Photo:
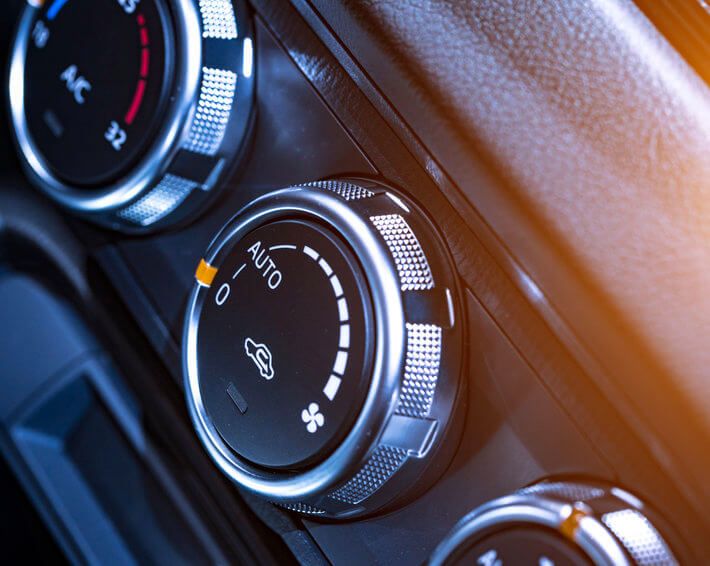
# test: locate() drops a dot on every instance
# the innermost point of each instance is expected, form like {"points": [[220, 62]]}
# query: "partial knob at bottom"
{"points": [[558, 524]]}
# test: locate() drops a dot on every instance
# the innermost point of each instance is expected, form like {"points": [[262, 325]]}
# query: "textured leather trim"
{"points": [[596, 130]]}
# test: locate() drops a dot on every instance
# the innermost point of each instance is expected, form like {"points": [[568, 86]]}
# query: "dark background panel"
{"points": [[23, 535]]}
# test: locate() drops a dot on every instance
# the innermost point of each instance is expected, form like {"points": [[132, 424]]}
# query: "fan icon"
{"points": [[313, 418]]}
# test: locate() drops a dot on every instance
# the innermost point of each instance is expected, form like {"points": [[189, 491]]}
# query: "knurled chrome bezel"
{"points": [[377, 443], [577, 511], [146, 199]]}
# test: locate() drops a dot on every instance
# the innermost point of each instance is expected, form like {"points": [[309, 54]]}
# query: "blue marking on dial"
{"points": [[55, 8]]}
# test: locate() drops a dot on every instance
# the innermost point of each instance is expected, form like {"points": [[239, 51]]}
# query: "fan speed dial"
{"points": [[323, 346]]}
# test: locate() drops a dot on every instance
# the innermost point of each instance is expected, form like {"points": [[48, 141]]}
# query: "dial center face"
{"points": [[283, 346], [95, 77]]}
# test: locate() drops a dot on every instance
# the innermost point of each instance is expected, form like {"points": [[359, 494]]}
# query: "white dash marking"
{"points": [[310, 252], [398, 201], [238, 271], [341, 362], [343, 309], [331, 388], [248, 57], [283, 247], [337, 287], [344, 336], [325, 267]]}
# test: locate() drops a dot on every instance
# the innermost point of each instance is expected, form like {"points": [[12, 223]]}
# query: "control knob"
{"points": [[556, 524], [322, 349]]}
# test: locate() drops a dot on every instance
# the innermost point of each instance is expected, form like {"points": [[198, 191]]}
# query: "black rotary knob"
{"points": [[134, 125], [322, 348], [557, 524]]}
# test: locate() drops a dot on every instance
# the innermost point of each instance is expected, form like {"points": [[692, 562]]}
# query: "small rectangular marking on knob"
{"points": [[237, 397], [205, 273]]}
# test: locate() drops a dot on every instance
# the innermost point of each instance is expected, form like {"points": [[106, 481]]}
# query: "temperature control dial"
{"points": [[129, 111], [558, 523], [322, 349]]}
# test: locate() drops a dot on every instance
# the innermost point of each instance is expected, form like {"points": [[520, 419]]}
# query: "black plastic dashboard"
{"points": [[533, 144]]}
